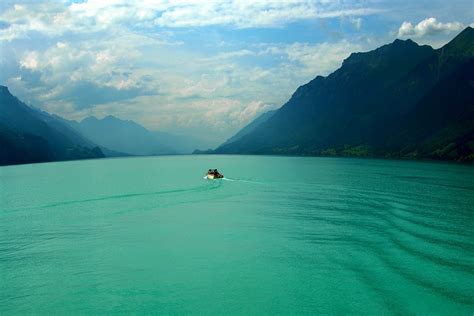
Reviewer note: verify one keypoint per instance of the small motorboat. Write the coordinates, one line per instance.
(214, 174)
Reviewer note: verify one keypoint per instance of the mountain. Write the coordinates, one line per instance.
(251, 126)
(244, 131)
(122, 136)
(76, 126)
(182, 144)
(401, 100)
(17, 148)
(29, 135)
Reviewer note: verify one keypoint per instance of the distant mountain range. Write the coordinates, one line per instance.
(121, 136)
(125, 136)
(401, 100)
(29, 135)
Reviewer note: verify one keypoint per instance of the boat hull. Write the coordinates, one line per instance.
(212, 177)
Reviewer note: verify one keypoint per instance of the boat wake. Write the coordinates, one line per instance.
(227, 179)
(235, 180)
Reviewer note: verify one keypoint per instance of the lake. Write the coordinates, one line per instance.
(279, 235)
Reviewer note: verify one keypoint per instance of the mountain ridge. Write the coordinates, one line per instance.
(357, 108)
(124, 136)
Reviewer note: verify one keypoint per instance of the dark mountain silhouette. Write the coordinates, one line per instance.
(401, 100)
(30, 135)
(17, 148)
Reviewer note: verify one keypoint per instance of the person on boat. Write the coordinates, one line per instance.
(213, 174)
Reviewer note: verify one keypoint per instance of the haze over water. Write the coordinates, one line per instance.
(279, 235)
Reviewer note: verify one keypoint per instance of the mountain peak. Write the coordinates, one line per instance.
(108, 118)
(111, 118)
(468, 33)
(408, 41)
(4, 89)
(399, 46)
(89, 119)
(396, 51)
(462, 44)
(117, 120)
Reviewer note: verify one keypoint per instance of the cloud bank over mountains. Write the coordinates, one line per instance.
(188, 66)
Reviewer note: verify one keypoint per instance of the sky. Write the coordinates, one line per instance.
(201, 68)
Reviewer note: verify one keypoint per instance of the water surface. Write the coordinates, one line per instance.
(281, 235)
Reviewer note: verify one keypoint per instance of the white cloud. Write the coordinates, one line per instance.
(245, 14)
(428, 27)
(357, 22)
(250, 111)
(46, 18)
(315, 59)
(30, 60)
(55, 18)
(230, 55)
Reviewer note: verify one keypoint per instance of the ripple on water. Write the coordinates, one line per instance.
(407, 234)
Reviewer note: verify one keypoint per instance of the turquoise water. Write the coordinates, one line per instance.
(281, 235)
